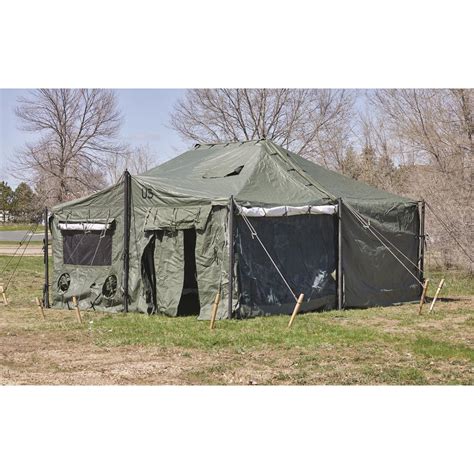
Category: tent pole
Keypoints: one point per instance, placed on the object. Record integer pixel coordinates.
(231, 256)
(46, 260)
(126, 235)
(340, 289)
(422, 239)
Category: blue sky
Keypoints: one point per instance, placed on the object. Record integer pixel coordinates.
(145, 122)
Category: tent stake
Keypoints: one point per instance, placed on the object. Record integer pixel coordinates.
(423, 295)
(215, 305)
(296, 310)
(441, 283)
(4, 296)
(78, 311)
(40, 306)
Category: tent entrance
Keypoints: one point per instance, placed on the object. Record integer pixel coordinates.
(189, 302)
(149, 276)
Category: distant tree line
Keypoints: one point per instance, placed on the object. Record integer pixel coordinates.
(18, 205)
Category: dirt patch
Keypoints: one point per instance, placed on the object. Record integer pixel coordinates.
(29, 359)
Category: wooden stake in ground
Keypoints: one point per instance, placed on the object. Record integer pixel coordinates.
(299, 302)
(441, 283)
(215, 305)
(4, 296)
(78, 311)
(40, 306)
(423, 295)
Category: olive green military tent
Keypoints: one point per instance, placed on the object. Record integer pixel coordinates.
(250, 220)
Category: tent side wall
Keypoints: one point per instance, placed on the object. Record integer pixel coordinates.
(372, 275)
(101, 286)
(88, 263)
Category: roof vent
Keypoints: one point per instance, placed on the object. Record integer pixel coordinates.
(235, 172)
(223, 174)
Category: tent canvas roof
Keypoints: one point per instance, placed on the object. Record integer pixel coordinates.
(257, 172)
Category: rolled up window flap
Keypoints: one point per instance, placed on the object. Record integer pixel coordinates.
(326, 209)
(283, 211)
(86, 225)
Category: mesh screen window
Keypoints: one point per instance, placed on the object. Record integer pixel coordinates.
(88, 249)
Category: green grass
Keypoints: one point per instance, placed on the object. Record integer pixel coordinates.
(312, 331)
(442, 350)
(28, 279)
(397, 375)
(457, 282)
(11, 226)
(28, 267)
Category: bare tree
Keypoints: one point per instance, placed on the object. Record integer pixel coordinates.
(137, 160)
(373, 159)
(315, 123)
(434, 130)
(77, 131)
(434, 125)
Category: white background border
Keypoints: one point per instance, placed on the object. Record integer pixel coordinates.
(236, 429)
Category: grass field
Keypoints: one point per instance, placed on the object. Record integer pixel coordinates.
(11, 226)
(375, 346)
